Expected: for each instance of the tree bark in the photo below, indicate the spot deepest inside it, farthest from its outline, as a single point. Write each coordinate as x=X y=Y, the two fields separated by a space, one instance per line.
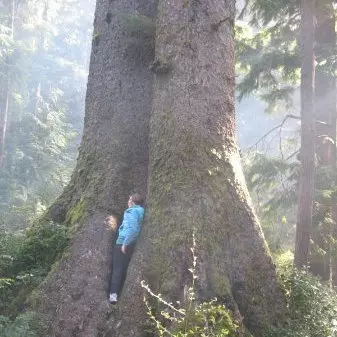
x=326 y=113
x=307 y=153
x=112 y=162
x=196 y=181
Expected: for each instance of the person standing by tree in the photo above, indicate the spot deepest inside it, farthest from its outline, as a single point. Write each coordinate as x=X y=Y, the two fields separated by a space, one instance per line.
x=127 y=236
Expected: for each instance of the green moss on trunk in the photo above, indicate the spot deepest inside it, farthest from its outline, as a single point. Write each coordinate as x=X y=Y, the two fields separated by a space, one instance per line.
x=75 y=216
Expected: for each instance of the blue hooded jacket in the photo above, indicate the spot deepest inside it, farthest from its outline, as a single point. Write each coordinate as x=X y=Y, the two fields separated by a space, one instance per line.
x=130 y=228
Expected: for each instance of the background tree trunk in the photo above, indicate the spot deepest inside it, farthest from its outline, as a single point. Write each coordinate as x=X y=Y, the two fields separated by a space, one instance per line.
x=307 y=154
x=4 y=101
x=4 y=121
x=113 y=160
x=326 y=113
x=195 y=178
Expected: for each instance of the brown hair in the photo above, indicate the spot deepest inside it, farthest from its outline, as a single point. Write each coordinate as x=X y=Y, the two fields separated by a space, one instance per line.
x=137 y=198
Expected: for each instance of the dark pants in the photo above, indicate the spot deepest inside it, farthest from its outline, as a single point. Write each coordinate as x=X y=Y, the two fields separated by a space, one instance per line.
x=120 y=263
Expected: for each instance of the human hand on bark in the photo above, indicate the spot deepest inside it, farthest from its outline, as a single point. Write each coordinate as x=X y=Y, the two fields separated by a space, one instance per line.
x=112 y=222
x=123 y=249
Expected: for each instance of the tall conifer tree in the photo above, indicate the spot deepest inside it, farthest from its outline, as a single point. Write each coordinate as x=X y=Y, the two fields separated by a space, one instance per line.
x=195 y=178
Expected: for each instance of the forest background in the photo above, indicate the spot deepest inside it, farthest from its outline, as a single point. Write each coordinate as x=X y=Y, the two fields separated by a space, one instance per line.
x=44 y=59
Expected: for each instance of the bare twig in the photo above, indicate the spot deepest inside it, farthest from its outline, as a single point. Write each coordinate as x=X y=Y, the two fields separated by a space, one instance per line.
x=243 y=11
x=273 y=129
x=293 y=154
x=280 y=143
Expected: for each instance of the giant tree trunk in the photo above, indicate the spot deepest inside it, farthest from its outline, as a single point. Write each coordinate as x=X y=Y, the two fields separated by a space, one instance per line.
x=307 y=154
x=113 y=160
x=195 y=178
x=326 y=113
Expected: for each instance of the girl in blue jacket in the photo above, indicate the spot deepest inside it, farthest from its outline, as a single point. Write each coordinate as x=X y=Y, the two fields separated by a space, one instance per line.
x=126 y=238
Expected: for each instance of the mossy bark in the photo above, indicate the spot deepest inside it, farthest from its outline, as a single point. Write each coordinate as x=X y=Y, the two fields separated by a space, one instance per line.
x=195 y=179
x=112 y=162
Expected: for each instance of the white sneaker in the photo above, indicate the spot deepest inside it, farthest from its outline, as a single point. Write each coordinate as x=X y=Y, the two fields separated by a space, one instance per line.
x=113 y=298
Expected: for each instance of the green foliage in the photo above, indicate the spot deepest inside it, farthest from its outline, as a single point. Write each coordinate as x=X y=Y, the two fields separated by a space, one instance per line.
x=25 y=325
x=312 y=304
x=268 y=59
x=269 y=62
x=26 y=259
x=34 y=178
x=6 y=45
x=44 y=58
x=43 y=244
x=191 y=319
x=273 y=185
x=44 y=54
x=266 y=171
x=265 y=11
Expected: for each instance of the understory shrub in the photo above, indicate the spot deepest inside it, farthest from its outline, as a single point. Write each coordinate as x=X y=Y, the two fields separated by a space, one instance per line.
x=24 y=325
x=25 y=259
x=312 y=303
